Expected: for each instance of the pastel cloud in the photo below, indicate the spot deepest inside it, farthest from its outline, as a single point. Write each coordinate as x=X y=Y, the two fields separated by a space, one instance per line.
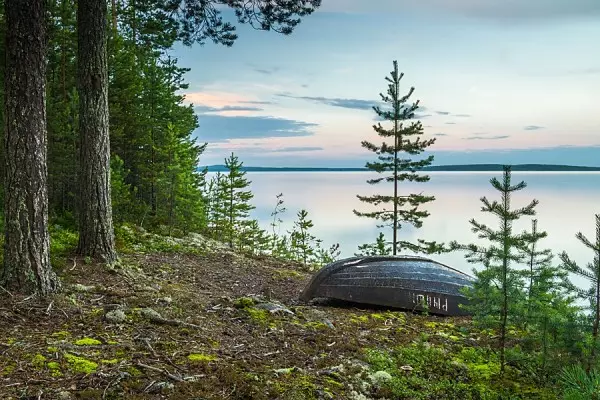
x=355 y=104
x=216 y=99
x=482 y=137
x=221 y=128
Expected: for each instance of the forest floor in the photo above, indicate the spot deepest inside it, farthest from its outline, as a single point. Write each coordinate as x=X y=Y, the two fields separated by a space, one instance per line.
x=191 y=322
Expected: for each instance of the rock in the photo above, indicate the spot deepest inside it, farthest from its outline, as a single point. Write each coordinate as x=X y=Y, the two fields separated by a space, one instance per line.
x=64 y=395
x=116 y=317
x=328 y=323
x=162 y=387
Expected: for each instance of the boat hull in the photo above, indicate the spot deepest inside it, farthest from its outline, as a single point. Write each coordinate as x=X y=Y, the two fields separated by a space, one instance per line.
x=407 y=282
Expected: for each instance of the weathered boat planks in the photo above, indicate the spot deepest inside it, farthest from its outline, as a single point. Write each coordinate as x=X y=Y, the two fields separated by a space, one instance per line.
x=407 y=282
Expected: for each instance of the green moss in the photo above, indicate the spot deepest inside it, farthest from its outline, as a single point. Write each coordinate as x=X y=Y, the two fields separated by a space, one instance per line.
x=287 y=273
x=7 y=370
x=38 y=361
x=333 y=383
x=133 y=371
x=388 y=315
x=258 y=315
x=80 y=364
x=113 y=361
x=316 y=325
x=96 y=311
x=361 y=319
x=87 y=342
x=54 y=368
x=243 y=302
x=52 y=349
x=200 y=358
x=61 y=335
x=297 y=386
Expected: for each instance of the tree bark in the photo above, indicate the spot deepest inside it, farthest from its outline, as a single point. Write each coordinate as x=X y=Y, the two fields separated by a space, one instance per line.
x=96 y=234
x=26 y=267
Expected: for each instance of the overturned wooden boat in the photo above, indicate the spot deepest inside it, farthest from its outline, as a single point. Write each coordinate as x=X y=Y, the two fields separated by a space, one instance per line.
x=407 y=282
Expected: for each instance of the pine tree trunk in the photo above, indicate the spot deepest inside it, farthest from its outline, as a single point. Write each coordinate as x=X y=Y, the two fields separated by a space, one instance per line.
x=26 y=266
x=96 y=234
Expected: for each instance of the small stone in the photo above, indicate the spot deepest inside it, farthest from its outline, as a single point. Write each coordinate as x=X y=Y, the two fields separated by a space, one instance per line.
x=328 y=323
x=162 y=387
x=167 y=300
x=115 y=317
x=64 y=395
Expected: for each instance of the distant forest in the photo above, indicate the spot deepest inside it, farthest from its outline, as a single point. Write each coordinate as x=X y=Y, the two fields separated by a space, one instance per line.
x=457 y=168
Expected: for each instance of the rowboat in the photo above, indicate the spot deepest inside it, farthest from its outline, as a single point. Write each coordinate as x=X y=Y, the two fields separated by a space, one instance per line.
x=407 y=282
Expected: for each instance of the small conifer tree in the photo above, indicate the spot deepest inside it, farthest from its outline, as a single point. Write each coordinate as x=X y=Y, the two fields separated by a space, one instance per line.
x=405 y=138
x=302 y=241
x=379 y=248
x=236 y=197
x=277 y=221
x=591 y=272
x=539 y=274
x=499 y=285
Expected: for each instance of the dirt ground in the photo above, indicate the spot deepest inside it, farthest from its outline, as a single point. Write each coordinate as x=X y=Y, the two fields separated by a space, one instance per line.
x=185 y=326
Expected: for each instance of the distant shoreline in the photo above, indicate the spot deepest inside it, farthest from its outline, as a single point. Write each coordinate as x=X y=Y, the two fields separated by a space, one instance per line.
x=436 y=168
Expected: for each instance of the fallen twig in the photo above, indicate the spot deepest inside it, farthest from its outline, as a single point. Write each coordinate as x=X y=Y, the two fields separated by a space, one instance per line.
x=162 y=371
x=6 y=291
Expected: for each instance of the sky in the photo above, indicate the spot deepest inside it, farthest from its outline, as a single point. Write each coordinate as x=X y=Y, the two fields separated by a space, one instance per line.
x=498 y=81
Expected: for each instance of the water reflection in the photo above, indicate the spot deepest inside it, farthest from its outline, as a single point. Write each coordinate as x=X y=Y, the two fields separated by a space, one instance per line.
x=568 y=202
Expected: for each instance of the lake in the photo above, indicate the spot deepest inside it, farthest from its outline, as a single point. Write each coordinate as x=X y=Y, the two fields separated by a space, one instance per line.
x=568 y=203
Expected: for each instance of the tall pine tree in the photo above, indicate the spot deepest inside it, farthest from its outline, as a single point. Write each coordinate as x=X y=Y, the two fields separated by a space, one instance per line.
x=96 y=233
x=405 y=136
x=26 y=265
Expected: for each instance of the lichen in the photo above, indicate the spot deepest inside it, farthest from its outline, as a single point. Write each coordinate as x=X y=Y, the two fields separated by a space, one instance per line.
x=200 y=358
x=87 y=342
x=80 y=364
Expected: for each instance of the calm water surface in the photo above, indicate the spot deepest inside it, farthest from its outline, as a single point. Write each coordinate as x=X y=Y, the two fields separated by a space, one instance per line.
x=568 y=202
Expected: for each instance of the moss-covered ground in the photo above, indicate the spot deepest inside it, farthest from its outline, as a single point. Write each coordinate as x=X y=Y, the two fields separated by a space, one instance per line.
x=186 y=322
